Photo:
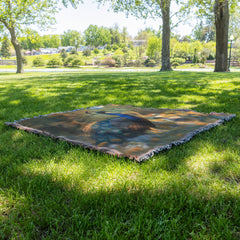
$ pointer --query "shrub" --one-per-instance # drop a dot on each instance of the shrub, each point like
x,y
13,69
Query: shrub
x,y
178,60
175,64
105,52
97,62
115,46
68,60
54,62
125,50
86,52
63,54
96,50
119,60
138,62
38,62
109,48
74,51
76,62
109,61
24,60
150,62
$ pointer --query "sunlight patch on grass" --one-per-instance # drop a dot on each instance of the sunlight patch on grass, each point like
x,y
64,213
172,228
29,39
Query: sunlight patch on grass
x,y
51,189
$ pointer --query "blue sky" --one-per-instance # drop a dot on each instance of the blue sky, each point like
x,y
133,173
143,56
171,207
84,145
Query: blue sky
x,y
89,13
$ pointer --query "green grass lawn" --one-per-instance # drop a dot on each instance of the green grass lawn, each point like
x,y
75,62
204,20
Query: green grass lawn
x,y
52,190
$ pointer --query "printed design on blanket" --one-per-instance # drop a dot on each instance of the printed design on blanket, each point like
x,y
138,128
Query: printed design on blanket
x,y
123,130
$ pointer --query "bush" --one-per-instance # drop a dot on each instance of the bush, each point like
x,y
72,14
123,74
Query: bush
x,y
97,62
74,51
105,52
175,64
150,62
138,62
125,50
109,61
54,62
24,60
178,60
86,52
115,46
68,60
63,54
76,62
109,48
96,50
119,60
38,62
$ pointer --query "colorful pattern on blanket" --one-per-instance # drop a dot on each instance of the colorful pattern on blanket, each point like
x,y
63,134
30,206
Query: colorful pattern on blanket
x,y
120,130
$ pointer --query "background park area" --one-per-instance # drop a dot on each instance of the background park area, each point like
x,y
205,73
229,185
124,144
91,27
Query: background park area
x,y
53,190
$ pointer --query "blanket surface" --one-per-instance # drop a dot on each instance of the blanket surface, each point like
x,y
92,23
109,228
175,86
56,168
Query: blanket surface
x,y
123,130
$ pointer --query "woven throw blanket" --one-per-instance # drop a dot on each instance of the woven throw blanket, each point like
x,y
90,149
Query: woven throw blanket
x,y
123,130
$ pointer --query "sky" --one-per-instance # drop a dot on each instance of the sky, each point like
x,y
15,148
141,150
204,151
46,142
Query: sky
x,y
88,13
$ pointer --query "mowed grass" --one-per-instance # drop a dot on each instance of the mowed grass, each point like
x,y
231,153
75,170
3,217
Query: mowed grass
x,y
52,190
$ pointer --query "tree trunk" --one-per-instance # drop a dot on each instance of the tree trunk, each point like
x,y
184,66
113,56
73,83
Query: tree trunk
x,y
221,12
165,8
17,48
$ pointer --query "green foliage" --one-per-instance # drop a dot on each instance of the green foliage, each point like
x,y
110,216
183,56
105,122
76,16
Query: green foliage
x,y
154,48
150,62
31,40
68,60
125,50
5,49
86,52
51,41
115,47
63,54
77,62
109,62
38,62
54,62
178,60
109,47
96,50
138,62
105,51
115,35
17,14
73,61
74,51
119,60
24,60
71,38
97,36
175,64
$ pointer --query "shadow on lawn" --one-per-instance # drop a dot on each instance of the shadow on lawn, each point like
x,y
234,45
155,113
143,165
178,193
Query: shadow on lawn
x,y
51,208
48,208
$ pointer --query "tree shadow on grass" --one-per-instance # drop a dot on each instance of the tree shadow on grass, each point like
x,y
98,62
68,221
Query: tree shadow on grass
x,y
161,198
43,206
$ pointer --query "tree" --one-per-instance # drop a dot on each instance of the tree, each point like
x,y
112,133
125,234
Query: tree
x,y
15,15
205,32
154,48
234,25
31,41
51,41
115,35
144,35
5,49
72,38
144,9
221,10
97,36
